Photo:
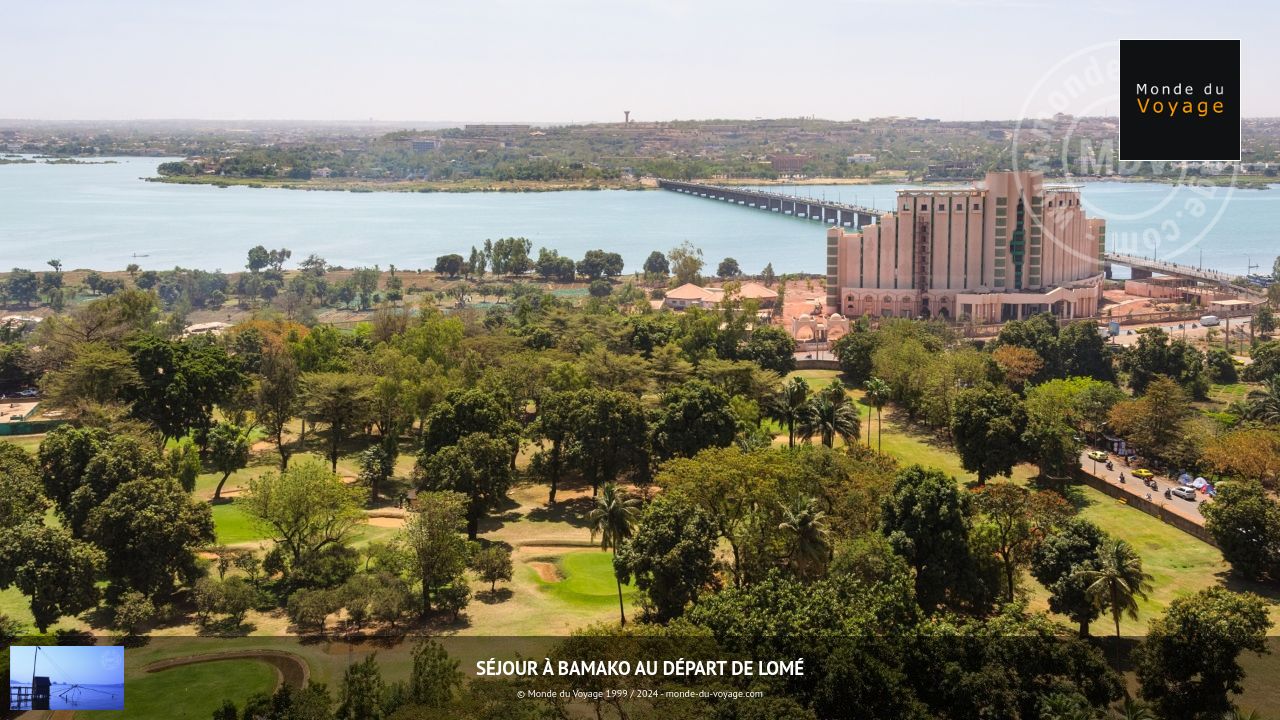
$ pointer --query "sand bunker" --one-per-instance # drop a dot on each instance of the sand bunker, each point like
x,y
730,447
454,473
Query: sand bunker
x,y
547,572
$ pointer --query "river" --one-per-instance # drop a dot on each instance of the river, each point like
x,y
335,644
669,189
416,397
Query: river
x,y
103,216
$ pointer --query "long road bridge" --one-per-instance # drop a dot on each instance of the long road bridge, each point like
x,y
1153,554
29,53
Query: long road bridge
x,y
1143,267
830,213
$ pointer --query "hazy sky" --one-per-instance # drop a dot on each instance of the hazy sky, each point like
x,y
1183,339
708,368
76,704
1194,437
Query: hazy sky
x,y
81,664
581,60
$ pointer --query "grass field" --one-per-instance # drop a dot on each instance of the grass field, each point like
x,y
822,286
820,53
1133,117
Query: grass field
x,y
586,579
191,692
233,526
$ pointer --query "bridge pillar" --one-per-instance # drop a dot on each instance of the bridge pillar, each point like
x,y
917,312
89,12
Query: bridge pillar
x,y
1139,273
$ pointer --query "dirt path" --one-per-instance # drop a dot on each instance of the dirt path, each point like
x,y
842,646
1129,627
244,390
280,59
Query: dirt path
x,y
289,668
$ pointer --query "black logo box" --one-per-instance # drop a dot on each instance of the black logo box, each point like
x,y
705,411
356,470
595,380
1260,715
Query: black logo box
x,y
1189,65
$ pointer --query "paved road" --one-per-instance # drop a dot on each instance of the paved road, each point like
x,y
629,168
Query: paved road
x,y
1133,486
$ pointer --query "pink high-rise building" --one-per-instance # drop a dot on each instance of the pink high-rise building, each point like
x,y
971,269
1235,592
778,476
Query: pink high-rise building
x,y
1005,248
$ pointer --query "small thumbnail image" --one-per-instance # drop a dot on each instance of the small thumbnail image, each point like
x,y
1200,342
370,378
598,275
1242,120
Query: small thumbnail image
x,y
82,677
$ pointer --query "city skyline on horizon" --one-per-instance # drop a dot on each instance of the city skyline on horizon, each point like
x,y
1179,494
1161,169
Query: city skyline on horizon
x,y
565,61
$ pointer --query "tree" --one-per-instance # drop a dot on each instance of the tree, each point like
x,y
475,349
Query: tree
x,y
150,530
493,564
693,416
23,286
790,406
21,495
598,264
854,350
686,263
338,400
1189,665
258,258
432,534
1060,562
277,398
479,467
1016,520
236,598
1264,320
450,265
377,465
360,696
612,519
656,265
927,522
1250,453
461,413
1058,416
1084,352
53,569
600,289
1118,583
82,467
1155,355
1017,364
831,417
310,608
1038,333
768,275
1263,403
877,396
435,677
986,427
1245,522
310,703
728,269
182,382
1266,360
1155,422
307,508
805,525
671,556
772,348
455,596
96,374
556,423
228,446
132,612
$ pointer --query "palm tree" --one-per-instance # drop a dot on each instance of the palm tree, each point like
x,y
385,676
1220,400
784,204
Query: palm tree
x,y
1263,404
612,517
1118,583
806,523
1133,709
877,395
790,407
828,418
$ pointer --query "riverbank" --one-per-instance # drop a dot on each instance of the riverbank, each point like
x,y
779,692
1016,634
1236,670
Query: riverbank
x,y
403,186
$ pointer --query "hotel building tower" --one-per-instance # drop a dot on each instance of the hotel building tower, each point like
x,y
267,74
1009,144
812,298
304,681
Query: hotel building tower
x,y
1005,248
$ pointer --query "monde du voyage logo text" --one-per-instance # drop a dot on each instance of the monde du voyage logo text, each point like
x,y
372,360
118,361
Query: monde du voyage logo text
x,y
1180,100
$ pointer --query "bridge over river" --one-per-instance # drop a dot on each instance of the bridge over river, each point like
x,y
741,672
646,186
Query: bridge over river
x,y
830,213
1144,267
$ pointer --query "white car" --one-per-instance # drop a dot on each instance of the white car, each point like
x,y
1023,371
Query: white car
x,y
1184,492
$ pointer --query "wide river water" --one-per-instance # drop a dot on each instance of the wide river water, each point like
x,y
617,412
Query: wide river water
x,y
103,216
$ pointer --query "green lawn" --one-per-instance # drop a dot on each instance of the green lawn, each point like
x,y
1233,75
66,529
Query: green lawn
x,y
587,579
233,526
30,443
191,691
